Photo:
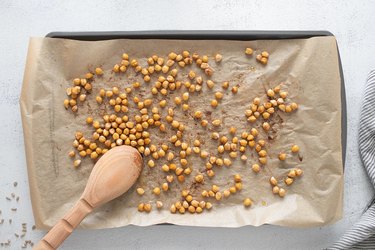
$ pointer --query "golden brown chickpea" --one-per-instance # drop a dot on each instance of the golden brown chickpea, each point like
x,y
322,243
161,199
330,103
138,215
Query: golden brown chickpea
x,y
256,168
295,149
282,156
247,202
249,51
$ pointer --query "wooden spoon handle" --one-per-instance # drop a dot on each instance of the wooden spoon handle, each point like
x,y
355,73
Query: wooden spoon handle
x,y
53,239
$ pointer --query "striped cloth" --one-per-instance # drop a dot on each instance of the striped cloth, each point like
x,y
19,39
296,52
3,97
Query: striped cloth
x,y
362,234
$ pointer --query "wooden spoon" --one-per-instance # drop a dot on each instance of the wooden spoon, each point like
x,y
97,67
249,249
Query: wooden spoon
x,y
113,174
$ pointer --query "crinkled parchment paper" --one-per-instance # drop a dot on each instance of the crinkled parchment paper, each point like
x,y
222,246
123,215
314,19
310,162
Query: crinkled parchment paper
x,y
309,67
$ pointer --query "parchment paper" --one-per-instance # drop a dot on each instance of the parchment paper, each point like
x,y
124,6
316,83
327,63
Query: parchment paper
x,y
309,67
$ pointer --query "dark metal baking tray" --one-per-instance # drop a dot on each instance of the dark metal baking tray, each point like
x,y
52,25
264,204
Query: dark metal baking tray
x,y
243,35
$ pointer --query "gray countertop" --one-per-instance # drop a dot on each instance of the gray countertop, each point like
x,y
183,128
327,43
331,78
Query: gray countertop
x,y
352,22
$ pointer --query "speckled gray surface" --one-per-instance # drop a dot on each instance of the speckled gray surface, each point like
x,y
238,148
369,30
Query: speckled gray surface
x,y
351,22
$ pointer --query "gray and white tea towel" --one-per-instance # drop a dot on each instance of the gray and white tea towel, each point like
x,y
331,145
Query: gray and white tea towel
x,y
362,234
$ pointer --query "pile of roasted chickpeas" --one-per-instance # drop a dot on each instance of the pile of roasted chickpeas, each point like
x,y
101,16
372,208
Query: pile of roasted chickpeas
x,y
175,74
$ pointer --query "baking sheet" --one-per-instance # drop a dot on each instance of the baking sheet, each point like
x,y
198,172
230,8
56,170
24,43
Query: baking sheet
x,y
312,79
